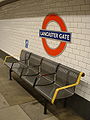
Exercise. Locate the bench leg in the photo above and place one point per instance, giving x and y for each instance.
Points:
(65, 102)
(10, 74)
(34, 82)
(45, 106)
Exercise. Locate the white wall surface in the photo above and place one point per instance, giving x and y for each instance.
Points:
(23, 19)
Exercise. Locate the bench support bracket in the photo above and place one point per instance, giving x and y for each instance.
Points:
(10, 74)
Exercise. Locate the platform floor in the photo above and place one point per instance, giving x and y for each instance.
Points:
(17, 104)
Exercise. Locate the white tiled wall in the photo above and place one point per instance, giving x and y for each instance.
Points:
(23, 19)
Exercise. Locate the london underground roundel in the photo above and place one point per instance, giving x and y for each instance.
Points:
(64, 36)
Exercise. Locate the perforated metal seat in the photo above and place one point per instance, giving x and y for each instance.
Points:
(23, 63)
(45, 87)
(29, 79)
(64, 76)
(45, 82)
(18, 65)
(35, 62)
(33, 70)
(17, 68)
(48, 90)
(48, 67)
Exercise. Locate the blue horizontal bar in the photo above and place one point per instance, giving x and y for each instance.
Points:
(63, 36)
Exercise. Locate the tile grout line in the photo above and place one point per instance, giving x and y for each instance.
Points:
(24, 111)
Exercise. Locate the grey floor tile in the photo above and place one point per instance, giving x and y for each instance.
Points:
(62, 113)
(11, 90)
(3, 102)
(52, 118)
(35, 110)
(14, 93)
(13, 113)
(67, 113)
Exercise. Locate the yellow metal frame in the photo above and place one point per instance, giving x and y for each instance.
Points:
(68, 86)
(7, 58)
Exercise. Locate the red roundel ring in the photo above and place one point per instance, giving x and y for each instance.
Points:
(61, 47)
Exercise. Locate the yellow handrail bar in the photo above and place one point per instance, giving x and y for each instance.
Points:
(68, 86)
(7, 57)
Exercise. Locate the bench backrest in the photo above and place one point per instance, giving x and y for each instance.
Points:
(35, 60)
(66, 76)
(24, 56)
(47, 67)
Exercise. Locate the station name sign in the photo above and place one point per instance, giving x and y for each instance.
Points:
(63, 36)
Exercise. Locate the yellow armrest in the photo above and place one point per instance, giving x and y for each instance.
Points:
(7, 57)
(68, 86)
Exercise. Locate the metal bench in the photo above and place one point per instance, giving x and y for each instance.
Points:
(62, 85)
(51, 79)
